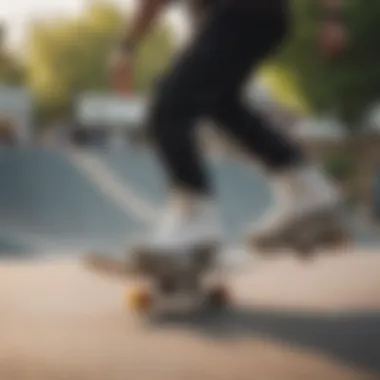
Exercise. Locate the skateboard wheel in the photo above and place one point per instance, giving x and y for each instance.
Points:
(218, 298)
(139, 299)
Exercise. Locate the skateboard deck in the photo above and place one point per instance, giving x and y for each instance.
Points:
(166, 287)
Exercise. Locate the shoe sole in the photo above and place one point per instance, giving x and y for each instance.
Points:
(325, 229)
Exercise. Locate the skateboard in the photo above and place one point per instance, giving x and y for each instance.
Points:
(161, 285)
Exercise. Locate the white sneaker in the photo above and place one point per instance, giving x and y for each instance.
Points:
(190, 225)
(308, 213)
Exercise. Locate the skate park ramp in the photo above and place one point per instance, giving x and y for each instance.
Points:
(46, 203)
(64, 201)
(52, 200)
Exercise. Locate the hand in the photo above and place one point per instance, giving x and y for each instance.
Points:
(333, 39)
(121, 68)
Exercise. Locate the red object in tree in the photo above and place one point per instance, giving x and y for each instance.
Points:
(333, 40)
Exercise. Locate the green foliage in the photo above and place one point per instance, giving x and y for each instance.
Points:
(348, 85)
(70, 55)
(282, 86)
(11, 72)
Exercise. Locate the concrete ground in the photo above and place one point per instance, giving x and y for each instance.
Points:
(290, 320)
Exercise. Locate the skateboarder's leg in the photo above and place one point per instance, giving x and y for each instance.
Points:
(256, 135)
(232, 42)
(218, 60)
(303, 192)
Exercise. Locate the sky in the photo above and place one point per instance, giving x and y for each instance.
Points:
(16, 13)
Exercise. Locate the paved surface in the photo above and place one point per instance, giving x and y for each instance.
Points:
(290, 320)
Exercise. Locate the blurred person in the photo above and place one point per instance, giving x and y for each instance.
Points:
(206, 80)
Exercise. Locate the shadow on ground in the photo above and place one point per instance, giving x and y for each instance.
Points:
(352, 338)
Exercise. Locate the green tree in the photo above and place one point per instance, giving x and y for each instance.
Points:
(283, 87)
(348, 85)
(70, 55)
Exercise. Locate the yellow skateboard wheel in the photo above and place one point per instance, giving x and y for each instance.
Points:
(139, 299)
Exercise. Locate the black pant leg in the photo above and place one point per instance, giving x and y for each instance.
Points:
(217, 63)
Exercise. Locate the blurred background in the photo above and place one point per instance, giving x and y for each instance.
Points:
(77, 171)
(78, 174)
